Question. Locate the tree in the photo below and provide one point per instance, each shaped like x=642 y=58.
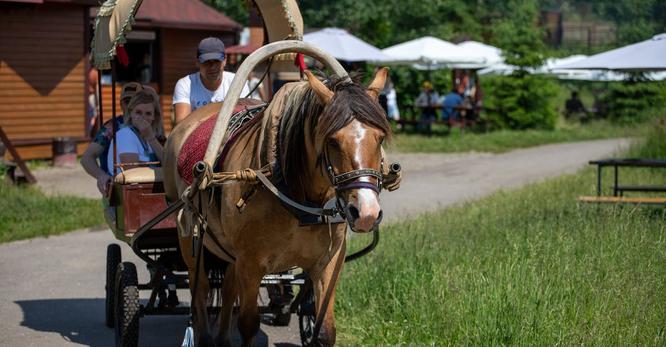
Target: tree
x=521 y=100
x=234 y=9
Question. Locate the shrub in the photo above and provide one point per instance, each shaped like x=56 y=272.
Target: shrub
x=635 y=100
x=520 y=101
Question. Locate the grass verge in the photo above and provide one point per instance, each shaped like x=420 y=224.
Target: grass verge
x=528 y=268
x=505 y=140
x=25 y=212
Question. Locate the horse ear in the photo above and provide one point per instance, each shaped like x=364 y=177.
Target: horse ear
x=324 y=94
x=377 y=83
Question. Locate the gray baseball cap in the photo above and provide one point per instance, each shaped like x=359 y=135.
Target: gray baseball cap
x=210 y=48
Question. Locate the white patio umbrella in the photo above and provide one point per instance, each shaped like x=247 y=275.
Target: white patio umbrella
x=501 y=69
x=343 y=45
x=491 y=55
x=430 y=53
x=648 y=55
x=553 y=66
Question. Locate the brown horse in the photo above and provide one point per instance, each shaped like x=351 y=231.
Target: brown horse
x=312 y=133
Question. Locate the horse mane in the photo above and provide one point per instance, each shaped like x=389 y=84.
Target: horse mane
x=304 y=111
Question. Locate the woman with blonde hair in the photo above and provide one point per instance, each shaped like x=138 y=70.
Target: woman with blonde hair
x=94 y=159
x=140 y=139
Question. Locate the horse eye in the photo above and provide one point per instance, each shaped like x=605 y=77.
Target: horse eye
x=333 y=144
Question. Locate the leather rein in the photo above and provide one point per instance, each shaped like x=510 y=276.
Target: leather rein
x=340 y=183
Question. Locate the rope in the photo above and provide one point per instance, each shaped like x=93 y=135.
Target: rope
x=246 y=175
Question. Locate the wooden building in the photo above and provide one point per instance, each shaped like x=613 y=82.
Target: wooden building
x=42 y=72
x=43 y=62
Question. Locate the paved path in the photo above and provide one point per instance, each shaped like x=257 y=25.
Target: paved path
x=52 y=290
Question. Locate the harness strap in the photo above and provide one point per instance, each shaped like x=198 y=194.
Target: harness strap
x=285 y=199
x=319 y=321
x=205 y=180
x=359 y=185
x=348 y=176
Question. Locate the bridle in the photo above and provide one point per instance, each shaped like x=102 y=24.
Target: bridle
x=349 y=180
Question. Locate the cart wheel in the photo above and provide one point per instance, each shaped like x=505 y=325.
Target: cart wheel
x=307 y=318
x=112 y=260
x=127 y=306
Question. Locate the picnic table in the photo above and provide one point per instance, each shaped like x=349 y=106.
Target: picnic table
x=464 y=111
x=620 y=189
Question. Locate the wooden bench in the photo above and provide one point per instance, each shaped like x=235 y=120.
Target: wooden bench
x=619 y=190
x=623 y=199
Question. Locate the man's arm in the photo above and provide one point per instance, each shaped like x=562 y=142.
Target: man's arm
x=181 y=110
x=89 y=163
x=181 y=100
x=262 y=93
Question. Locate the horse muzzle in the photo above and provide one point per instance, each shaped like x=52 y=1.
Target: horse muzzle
x=364 y=220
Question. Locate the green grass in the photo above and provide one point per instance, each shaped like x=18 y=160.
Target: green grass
x=525 y=268
x=25 y=212
x=505 y=140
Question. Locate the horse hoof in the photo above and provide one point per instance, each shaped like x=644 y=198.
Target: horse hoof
x=222 y=342
x=205 y=341
x=325 y=340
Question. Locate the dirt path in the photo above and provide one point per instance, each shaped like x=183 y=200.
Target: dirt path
x=52 y=290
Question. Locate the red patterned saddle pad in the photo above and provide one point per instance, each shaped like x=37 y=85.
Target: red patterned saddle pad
x=194 y=148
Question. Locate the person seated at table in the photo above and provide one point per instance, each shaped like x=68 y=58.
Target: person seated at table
x=392 y=112
x=140 y=138
x=574 y=107
x=450 y=107
x=93 y=159
x=428 y=100
x=475 y=103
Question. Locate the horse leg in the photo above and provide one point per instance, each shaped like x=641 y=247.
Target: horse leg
x=198 y=305
x=328 y=278
x=202 y=336
x=249 y=281
x=229 y=295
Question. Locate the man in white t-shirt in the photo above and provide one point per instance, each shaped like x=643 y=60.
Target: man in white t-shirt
x=210 y=84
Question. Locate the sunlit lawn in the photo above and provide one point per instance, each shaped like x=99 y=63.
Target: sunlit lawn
x=525 y=268
x=444 y=140
x=25 y=212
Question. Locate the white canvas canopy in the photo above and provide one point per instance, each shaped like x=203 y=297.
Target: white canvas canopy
x=344 y=46
x=648 y=55
x=430 y=53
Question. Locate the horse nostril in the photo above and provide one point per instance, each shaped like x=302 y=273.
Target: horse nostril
x=353 y=212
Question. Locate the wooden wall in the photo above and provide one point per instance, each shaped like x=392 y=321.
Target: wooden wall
x=42 y=73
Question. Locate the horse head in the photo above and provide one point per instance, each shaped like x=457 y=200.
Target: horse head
x=348 y=137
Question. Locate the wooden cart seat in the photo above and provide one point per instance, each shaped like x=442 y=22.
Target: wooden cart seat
x=139 y=175
x=138 y=196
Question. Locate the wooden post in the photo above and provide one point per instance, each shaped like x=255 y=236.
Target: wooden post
x=17 y=158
